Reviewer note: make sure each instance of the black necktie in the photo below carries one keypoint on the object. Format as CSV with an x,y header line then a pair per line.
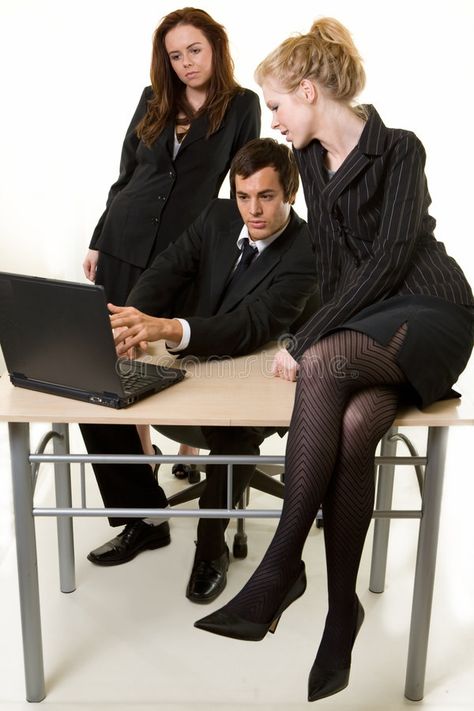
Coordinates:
x,y
248,253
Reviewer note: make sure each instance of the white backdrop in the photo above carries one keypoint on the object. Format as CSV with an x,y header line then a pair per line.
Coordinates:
x,y
72,73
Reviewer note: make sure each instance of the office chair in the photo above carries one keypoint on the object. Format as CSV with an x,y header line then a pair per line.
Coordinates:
x,y
262,480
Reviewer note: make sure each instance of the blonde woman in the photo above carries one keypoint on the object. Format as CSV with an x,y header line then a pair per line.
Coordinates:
x,y
396,320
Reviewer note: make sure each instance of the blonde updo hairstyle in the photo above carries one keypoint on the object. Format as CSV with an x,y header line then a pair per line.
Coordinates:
x,y
327,55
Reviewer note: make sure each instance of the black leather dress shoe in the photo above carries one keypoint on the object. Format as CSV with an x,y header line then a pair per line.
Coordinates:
x,y
208,579
137,536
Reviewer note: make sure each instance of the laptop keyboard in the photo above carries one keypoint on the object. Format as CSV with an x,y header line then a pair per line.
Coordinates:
x,y
141,377
135,382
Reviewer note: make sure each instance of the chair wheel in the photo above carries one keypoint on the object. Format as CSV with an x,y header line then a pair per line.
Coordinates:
x,y
194,475
239,550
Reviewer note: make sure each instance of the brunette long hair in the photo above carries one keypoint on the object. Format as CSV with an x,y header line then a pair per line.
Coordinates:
x,y
168,91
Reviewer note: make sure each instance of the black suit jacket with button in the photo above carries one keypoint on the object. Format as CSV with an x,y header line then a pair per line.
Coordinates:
x,y
155,197
276,293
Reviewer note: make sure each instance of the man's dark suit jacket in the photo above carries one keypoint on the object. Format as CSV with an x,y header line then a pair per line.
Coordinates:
x,y
276,292
156,197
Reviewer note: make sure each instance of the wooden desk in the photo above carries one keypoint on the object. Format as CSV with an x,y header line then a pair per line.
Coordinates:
x,y
224,393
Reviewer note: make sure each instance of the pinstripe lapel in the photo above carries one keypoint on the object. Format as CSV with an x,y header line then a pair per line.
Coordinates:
x,y
319,169
371,143
347,173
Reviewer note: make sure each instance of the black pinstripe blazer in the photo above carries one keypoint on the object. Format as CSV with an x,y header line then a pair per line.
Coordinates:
x,y
371,231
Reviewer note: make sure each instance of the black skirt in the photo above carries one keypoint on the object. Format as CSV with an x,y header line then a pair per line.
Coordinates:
x,y
437,346
118,278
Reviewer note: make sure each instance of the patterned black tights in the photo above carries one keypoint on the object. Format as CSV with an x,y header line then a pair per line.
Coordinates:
x,y
346,399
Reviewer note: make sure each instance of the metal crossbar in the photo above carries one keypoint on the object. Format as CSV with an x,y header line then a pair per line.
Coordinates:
x,y
228,460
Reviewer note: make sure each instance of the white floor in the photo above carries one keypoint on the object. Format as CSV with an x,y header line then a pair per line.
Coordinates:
x,y
125,638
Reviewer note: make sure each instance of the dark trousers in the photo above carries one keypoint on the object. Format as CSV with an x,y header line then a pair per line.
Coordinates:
x,y
122,485
223,440
133,485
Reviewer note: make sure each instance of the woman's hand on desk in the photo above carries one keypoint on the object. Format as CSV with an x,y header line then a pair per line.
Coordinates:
x,y
133,328
285,366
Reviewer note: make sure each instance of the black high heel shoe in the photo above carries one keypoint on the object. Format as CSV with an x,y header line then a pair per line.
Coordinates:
x,y
229,624
326,682
186,471
180,471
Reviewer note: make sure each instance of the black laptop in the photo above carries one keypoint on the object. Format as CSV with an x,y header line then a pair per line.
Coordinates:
x,y
56,338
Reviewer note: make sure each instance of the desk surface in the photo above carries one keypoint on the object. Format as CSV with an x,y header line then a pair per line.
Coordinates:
x,y
224,392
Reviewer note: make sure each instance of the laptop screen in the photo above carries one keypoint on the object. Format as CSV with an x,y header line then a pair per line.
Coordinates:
x,y
57,332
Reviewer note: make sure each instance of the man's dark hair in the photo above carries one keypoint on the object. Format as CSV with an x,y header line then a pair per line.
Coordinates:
x,y
261,153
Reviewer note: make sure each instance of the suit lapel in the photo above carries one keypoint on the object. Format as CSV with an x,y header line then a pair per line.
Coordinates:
x,y
371,143
198,130
164,142
249,281
225,255
347,173
319,171
258,271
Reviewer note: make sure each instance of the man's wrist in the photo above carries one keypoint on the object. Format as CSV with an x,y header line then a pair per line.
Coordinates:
x,y
172,330
177,346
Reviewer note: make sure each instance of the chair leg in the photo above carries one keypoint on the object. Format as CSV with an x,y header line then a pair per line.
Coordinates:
x,y
319,518
267,483
188,494
194,475
239,548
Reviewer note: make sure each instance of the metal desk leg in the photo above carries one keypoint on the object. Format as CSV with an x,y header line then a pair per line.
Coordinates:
x,y
388,448
426,563
27,561
62,481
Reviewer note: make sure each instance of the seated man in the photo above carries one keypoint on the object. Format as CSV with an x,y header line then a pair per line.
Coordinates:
x,y
247,271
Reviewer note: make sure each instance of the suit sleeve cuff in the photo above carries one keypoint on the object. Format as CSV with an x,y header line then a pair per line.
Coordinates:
x,y
174,347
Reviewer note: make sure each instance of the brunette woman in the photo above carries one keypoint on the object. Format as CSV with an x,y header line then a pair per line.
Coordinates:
x,y
186,129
